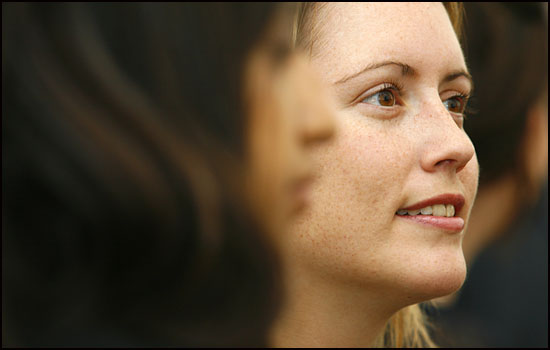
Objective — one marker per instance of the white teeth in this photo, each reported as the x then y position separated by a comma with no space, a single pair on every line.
450,210
426,211
439,210
447,210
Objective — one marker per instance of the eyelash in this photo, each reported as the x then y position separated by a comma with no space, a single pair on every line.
389,85
464,100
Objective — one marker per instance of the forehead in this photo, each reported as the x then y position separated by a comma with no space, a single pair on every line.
355,34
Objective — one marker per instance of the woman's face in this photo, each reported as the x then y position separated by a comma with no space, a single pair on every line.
399,77
290,112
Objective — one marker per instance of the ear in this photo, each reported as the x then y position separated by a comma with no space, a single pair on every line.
535,146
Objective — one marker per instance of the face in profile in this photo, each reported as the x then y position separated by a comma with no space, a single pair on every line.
290,112
397,184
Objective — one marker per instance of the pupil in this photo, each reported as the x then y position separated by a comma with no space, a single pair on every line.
386,98
454,105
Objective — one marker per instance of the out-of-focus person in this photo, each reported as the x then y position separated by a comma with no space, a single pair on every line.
135,140
504,301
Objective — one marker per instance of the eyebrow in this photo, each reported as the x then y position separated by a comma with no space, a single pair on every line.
407,70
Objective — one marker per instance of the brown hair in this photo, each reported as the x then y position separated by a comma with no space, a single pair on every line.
409,326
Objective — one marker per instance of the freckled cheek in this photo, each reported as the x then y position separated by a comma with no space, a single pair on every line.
371,165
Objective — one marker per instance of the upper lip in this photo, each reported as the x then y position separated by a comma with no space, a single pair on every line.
457,200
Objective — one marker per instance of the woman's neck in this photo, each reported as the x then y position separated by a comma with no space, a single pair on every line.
321,313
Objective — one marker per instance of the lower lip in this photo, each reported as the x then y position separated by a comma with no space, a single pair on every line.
454,224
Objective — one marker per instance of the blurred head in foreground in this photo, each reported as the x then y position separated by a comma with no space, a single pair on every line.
149,150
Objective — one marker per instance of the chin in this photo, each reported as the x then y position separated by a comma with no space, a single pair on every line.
442,275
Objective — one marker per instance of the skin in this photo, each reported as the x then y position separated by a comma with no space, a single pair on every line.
349,262
290,112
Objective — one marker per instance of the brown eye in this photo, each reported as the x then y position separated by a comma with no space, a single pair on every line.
384,98
455,104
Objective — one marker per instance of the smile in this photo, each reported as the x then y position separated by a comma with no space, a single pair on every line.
445,210
440,211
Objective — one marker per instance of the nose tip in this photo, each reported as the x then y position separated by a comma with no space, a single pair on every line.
320,122
317,114
453,151
321,126
448,146
320,130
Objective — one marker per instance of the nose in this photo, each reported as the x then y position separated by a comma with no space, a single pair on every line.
318,120
316,107
447,147
318,124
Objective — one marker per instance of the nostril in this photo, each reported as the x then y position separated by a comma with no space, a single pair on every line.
450,163
460,168
320,136
326,131
320,130
445,162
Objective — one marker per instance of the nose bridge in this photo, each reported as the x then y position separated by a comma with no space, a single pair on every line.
318,115
445,143
319,121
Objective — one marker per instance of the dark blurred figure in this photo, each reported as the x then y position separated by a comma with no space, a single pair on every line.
122,152
504,301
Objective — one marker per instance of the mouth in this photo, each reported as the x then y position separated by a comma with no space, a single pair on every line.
445,205
441,211
445,210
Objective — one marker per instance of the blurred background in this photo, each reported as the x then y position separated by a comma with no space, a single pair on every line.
504,300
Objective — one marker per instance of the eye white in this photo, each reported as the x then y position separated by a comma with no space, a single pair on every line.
375,99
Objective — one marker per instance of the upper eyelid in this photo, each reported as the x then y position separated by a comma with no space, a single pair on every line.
458,76
458,92
378,88
459,85
464,98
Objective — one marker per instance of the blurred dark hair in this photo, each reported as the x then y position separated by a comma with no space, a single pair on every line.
507,54
123,218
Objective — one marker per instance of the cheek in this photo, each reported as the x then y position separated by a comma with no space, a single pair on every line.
353,200
364,164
